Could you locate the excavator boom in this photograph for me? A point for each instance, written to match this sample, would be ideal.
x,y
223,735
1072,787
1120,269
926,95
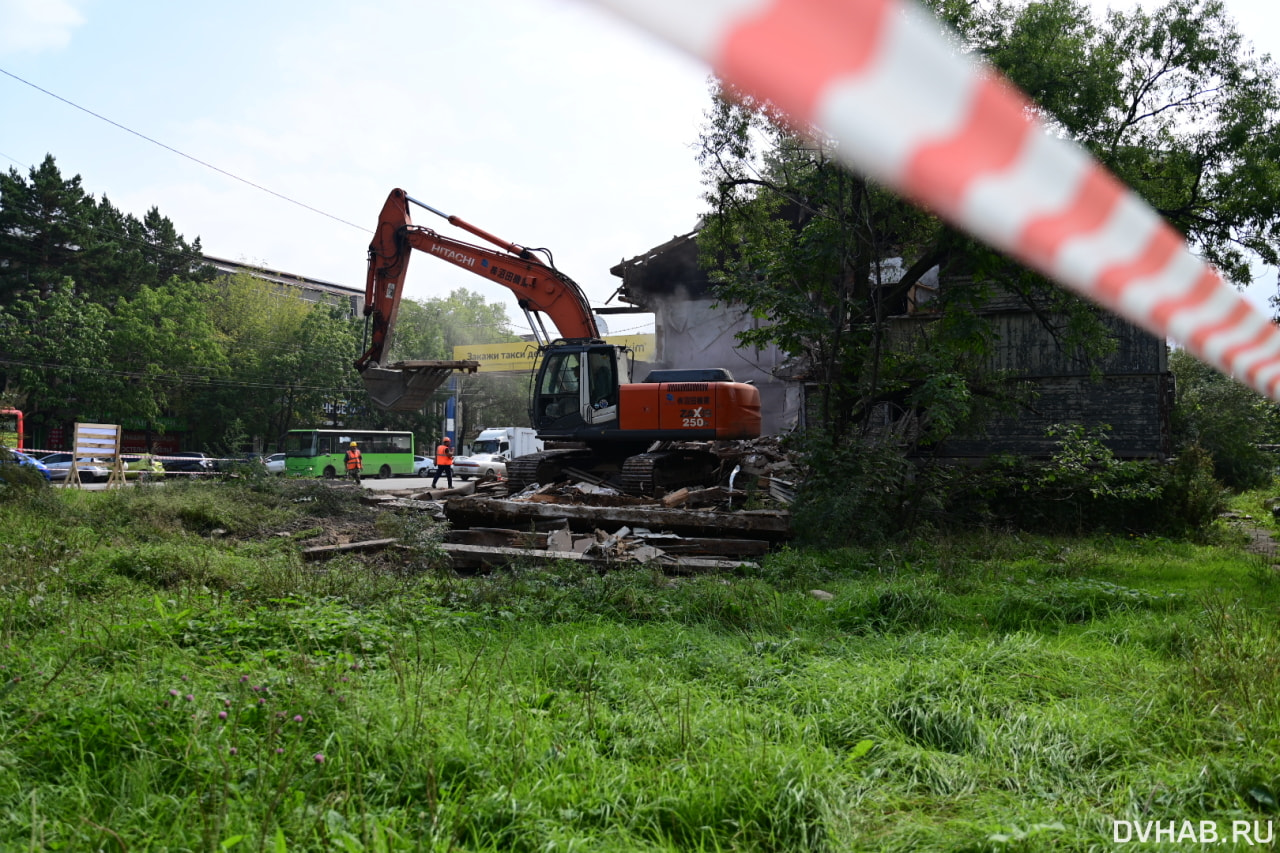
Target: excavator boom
x,y
539,289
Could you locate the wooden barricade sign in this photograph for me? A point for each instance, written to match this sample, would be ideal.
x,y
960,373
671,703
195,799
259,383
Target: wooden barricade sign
x,y
97,441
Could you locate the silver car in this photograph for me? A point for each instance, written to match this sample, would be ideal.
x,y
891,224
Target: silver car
x,y
91,470
274,463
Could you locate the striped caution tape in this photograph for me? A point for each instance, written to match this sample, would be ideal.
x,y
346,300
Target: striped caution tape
x,y
912,113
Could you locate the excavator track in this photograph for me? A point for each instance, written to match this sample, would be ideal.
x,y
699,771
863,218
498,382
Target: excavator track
x,y
667,470
644,474
544,467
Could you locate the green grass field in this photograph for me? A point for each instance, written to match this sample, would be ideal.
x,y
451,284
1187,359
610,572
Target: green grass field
x,y
176,678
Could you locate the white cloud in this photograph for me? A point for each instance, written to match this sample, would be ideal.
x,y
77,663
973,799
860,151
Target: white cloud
x,y
30,26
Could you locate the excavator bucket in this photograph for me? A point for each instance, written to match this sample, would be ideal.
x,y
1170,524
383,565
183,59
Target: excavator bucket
x,y
407,385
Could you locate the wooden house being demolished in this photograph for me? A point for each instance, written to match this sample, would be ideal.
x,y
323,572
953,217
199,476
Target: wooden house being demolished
x,y
692,327
1129,391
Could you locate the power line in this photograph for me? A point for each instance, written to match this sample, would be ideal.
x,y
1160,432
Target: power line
x,y
178,378
170,148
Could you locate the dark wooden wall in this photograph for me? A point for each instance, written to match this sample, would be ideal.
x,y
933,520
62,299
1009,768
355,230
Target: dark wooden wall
x,y
1130,390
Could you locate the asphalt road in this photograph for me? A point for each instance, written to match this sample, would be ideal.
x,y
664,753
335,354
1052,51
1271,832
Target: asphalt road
x,y
373,484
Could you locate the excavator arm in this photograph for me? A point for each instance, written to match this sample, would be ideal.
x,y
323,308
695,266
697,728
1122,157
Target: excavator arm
x,y
539,288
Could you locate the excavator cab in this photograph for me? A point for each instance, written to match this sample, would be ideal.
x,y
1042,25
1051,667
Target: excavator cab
x,y
576,387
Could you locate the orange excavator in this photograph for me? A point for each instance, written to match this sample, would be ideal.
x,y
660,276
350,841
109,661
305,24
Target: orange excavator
x,y
588,412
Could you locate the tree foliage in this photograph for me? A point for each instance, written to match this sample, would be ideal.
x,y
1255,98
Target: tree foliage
x,y
51,230
1172,100
1224,418
43,224
105,316
1175,101
55,349
164,349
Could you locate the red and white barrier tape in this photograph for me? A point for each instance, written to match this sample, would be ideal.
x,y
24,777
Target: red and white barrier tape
x,y
910,112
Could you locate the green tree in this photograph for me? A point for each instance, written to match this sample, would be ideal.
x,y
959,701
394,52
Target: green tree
x,y
167,348
56,353
1224,418
822,258
262,333
44,222
51,230
125,254
1174,101
1171,100
430,329
292,366
318,373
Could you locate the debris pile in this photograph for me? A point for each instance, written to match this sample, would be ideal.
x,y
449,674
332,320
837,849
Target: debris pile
x,y
764,463
586,520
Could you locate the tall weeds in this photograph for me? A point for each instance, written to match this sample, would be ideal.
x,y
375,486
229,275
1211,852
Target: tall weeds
x,y
169,687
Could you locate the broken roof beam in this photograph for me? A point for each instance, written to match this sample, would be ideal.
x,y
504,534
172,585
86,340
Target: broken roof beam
x,y
770,525
482,557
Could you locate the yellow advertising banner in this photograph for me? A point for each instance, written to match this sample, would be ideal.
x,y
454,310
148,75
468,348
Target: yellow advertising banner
x,y
523,357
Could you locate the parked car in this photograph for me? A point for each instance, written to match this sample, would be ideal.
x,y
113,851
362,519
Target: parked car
x,y
481,467
144,467
11,457
233,464
274,463
423,467
188,462
90,470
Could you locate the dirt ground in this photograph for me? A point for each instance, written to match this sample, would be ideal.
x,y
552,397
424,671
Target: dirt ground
x,y
1259,538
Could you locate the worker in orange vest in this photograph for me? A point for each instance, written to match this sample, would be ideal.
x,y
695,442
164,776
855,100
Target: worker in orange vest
x,y
354,463
444,462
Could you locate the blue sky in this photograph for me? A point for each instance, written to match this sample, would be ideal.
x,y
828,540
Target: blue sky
x,y
547,122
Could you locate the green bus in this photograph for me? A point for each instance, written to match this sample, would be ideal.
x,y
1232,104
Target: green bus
x,y
11,429
320,452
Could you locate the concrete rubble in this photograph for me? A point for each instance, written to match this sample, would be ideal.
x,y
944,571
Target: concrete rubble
x,y
685,531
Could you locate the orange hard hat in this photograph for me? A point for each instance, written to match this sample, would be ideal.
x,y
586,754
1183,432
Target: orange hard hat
x,y
448,440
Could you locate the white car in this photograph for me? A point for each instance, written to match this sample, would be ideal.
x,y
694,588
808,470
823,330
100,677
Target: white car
x,y
274,463
481,466
423,467
91,470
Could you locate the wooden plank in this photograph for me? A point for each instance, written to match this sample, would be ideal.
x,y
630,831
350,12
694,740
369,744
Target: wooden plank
x,y
321,551
481,556
708,547
498,537
703,565
675,499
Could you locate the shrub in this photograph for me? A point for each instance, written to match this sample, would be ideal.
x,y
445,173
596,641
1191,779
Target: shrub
x,y
17,480
1084,488
860,492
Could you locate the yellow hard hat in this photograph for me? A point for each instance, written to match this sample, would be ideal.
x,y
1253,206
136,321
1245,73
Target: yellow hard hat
x,y
353,444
